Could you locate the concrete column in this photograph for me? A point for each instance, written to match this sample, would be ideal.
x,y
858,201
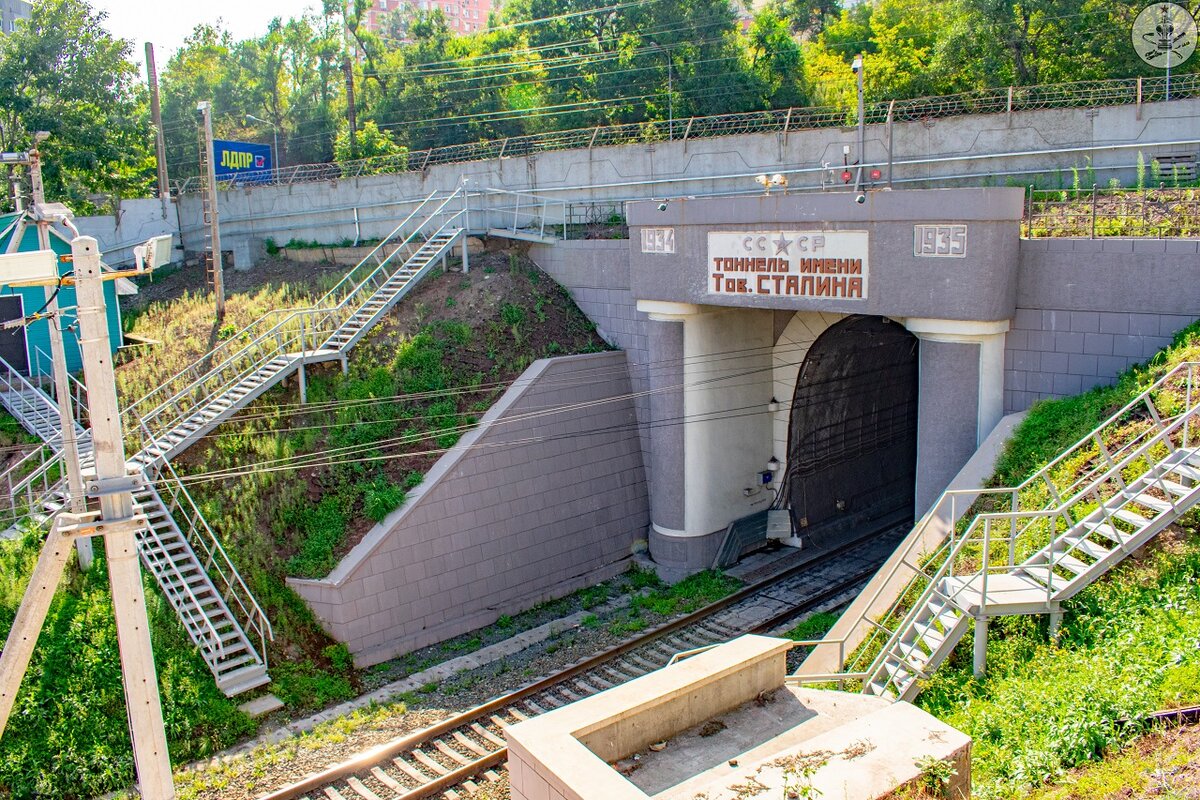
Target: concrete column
x,y
980,654
667,539
961,397
710,369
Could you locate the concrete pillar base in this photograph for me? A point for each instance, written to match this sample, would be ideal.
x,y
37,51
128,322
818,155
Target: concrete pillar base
x,y
677,556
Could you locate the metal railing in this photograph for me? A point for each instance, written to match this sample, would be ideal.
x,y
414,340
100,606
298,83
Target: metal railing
x,y
1095,212
973,557
44,375
286,332
238,598
997,100
27,400
1080,465
521,213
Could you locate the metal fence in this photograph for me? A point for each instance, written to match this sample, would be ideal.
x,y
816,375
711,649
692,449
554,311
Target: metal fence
x,y
1095,212
1080,94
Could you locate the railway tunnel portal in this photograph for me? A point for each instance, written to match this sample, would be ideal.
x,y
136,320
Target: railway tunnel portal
x,y
810,353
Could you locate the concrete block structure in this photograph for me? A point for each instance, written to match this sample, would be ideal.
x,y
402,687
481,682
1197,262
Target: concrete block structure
x,y
837,360
757,727
546,496
996,325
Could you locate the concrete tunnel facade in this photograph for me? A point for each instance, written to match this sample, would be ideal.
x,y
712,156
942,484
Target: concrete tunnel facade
x,y
742,293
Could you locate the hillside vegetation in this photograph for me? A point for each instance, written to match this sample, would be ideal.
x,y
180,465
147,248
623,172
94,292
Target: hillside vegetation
x,y
438,361
1129,644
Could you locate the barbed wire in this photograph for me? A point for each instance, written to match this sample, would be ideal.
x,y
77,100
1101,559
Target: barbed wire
x,y
1078,94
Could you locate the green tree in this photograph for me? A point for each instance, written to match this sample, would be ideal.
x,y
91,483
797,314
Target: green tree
x,y
379,150
62,72
776,60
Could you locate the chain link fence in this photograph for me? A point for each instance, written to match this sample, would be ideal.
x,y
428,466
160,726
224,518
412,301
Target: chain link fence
x,y
1080,94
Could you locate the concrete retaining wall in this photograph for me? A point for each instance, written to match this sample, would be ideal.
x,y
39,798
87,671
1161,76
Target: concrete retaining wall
x,y
596,273
134,223
523,509
982,145
1089,308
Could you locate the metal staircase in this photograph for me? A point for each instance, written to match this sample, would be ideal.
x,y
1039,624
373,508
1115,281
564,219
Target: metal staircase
x,y
179,549
1062,530
212,389
191,568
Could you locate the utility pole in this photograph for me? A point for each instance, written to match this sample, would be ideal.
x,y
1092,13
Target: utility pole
x,y
348,69
118,524
160,146
857,67
114,484
62,390
211,213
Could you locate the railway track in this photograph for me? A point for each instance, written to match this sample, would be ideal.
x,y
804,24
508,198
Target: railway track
x,y
453,757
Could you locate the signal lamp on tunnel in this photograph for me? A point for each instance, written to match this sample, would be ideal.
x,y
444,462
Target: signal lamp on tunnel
x,y
847,175
876,174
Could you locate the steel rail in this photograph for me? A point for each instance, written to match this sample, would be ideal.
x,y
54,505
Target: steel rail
x,y
394,748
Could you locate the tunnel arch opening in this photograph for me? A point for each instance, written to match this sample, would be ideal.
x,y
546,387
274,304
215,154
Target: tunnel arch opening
x,y
852,434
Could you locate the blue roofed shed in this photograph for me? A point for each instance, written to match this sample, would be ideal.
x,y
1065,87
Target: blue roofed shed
x,y
19,234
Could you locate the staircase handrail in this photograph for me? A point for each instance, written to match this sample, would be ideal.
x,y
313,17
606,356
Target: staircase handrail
x,y
252,329
539,208
77,388
197,621
381,267
971,535
13,381
251,612
945,509
317,316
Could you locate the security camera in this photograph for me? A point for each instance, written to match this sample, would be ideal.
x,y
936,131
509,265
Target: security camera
x,y
662,206
860,198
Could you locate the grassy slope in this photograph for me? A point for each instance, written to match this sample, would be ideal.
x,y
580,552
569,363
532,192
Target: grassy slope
x,y
1128,643
68,737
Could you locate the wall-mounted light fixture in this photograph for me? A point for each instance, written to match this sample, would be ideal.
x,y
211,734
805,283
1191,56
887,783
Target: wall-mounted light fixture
x,y
773,406
773,464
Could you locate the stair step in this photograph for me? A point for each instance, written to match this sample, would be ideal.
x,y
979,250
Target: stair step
x,y
1133,518
1087,546
1107,531
243,680
1150,501
1177,489
930,635
1070,563
1192,474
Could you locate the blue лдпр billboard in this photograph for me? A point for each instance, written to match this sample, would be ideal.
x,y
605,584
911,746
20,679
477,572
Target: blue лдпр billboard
x,y
241,162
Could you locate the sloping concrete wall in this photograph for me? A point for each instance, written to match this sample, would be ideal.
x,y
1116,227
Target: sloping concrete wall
x,y
1087,309
596,273
546,496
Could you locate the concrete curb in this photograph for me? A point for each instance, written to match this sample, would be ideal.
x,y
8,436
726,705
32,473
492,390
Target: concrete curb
x,y
436,673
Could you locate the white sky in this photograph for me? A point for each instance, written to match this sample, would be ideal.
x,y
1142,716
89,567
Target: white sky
x,y
168,22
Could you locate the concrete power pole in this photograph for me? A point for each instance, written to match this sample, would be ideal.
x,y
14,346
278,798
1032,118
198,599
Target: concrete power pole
x,y
160,146
114,485
211,213
351,113
118,524
70,448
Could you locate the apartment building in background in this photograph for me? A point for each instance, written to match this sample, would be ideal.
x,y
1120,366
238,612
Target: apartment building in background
x,y
462,16
11,11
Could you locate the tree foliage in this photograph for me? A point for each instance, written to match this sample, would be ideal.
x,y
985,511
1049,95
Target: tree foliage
x,y
63,73
538,65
